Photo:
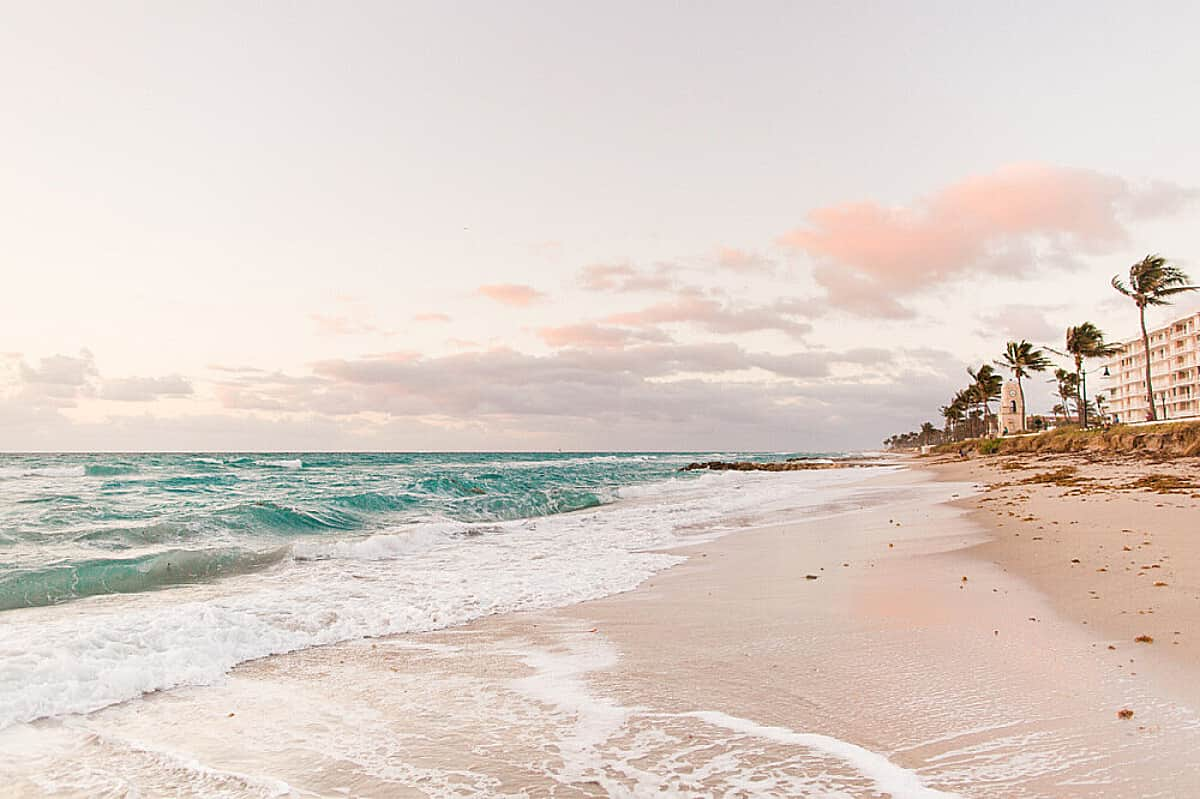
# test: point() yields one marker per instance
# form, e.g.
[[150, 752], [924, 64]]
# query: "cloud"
[[693, 306], [737, 260], [431, 317], [625, 278], [61, 381], [858, 294], [569, 382], [591, 335], [671, 395], [1017, 322], [652, 395], [517, 296], [217, 367], [57, 381], [550, 248], [1160, 198], [145, 389], [339, 325], [60, 370], [1010, 222]]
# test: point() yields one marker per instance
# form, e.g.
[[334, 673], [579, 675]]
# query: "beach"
[[1109, 539], [886, 640]]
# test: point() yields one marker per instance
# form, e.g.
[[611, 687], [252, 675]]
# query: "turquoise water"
[[78, 525], [127, 574]]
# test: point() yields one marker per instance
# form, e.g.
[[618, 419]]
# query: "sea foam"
[[82, 656]]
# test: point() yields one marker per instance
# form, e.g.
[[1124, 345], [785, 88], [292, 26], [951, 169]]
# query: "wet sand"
[[922, 660]]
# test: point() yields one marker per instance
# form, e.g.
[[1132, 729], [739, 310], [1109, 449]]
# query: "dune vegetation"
[[1174, 439]]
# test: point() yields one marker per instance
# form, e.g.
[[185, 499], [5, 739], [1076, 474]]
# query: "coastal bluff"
[[790, 465]]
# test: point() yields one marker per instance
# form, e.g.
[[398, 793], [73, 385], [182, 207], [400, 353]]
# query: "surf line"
[[888, 777]]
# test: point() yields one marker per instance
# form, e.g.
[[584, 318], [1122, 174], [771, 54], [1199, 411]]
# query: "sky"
[[534, 225]]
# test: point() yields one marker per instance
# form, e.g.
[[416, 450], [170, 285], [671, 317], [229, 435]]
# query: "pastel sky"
[[400, 226]]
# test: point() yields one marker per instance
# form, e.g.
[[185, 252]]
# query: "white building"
[[1174, 373]]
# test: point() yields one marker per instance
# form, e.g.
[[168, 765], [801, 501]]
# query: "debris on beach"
[[810, 577], [1125, 713], [1144, 639]]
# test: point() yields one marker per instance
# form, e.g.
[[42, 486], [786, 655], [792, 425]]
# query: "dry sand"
[[1112, 541], [927, 658]]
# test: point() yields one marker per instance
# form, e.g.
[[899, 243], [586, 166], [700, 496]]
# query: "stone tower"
[[1012, 409]]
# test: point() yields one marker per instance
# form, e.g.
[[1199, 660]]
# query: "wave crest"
[[50, 586]]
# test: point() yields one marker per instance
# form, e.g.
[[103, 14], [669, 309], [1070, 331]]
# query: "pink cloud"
[[517, 296], [998, 223], [737, 260], [431, 317], [858, 294], [624, 277]]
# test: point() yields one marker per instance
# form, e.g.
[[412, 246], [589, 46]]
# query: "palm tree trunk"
[[1021, 391], [1083, 393], [1081, 400], [1146, 347]]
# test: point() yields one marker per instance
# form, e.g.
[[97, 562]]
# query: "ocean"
[[127, 574]]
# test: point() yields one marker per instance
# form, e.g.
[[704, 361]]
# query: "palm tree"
[[1022, 358], [1087, 341], [1068, 389], [953, 414], [964, 400], [986, 387], [1151, 281]]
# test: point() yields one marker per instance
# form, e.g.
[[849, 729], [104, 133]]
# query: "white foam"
[[559, 681], [383, 546], [888, 777], [43, 471], [287, 463], [85, 655]]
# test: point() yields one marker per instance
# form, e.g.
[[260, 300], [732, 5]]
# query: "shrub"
[[988, 446]]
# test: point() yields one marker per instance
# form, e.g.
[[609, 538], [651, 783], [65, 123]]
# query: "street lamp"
[[1084, 373]]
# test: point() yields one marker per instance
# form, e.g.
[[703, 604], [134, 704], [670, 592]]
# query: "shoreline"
[[912, 664]]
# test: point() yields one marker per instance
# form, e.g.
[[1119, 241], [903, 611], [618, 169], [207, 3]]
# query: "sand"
[[904, 641], [1120, 558]]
